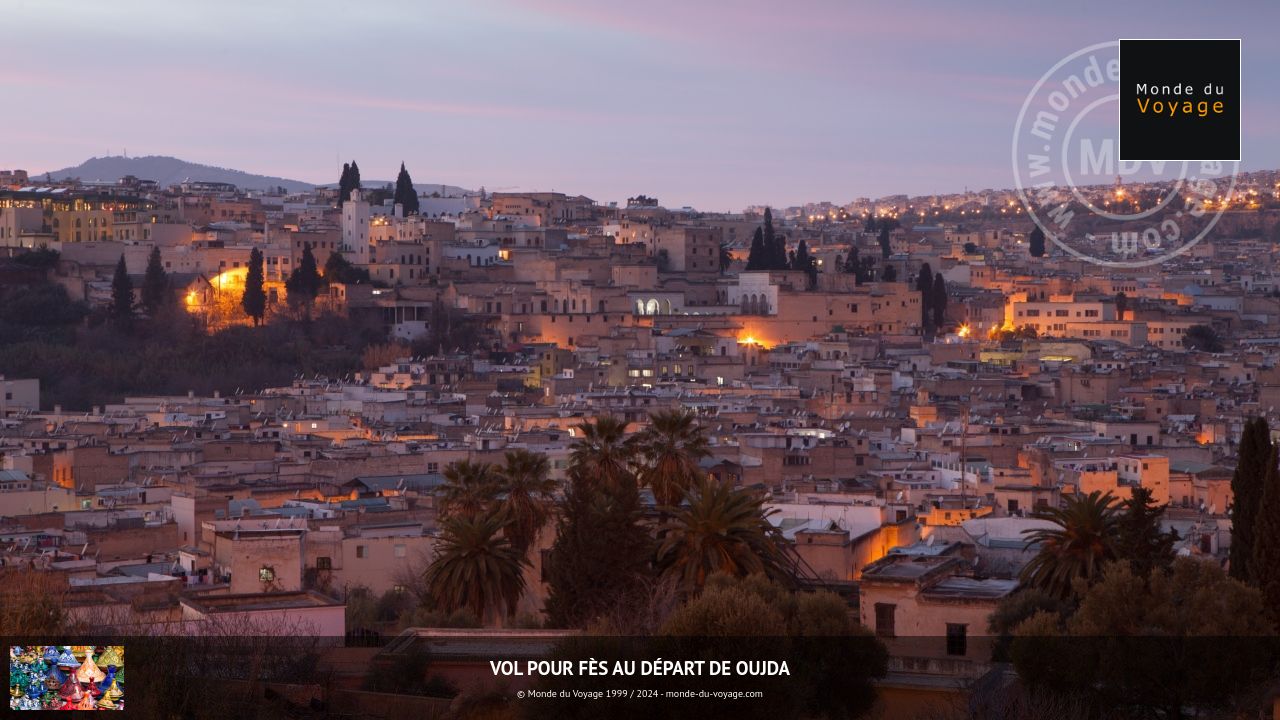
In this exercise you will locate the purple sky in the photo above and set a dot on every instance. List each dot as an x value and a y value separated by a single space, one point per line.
699 102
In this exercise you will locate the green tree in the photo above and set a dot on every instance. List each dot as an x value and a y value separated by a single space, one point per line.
756 258
254 299
155 284
469 488
602 555
1139 538
886 249
671 448
726 258
720 529
526 495
602 455
938 300
349 181
833 661
1035 242
1203 338
970 249
890 273
1188 638
406 196
775 246
337 269
1266 541
924 285
1122 303
476 567
40 257
1017 608
1246 489
304 283
1083 541
121 307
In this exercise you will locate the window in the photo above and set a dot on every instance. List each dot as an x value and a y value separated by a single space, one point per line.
399 551
884 619
360 551
957 639
267 574
324 563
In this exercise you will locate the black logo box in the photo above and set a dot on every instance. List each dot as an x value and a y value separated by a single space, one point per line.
1186 65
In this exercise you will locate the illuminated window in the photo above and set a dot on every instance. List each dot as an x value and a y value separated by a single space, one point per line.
267 574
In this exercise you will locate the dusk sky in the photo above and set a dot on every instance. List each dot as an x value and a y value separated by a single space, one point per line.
712 104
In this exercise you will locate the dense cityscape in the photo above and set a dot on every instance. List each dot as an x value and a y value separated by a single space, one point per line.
399 418
590 360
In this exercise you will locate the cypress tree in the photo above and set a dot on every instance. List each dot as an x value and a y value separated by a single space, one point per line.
344 183
802 258
775 248
781 258
1265 564
1140 540
939 300
121 307
756 259
1246 488
155 284
1036 242
405 195
924 285
304 282
601 555
924 280
851 262
254 300
355 177
889 274
885 249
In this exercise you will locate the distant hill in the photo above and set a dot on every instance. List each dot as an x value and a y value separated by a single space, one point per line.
168 171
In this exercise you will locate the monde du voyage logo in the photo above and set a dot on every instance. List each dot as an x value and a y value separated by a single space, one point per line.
1124 151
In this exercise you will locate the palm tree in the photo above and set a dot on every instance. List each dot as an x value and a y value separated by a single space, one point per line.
476 566
1083 541
602 454
469 488
671 447
526 495
720 529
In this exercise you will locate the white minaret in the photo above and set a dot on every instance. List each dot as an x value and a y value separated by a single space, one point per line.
355 228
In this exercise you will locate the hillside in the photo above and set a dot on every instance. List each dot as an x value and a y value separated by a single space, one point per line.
170 171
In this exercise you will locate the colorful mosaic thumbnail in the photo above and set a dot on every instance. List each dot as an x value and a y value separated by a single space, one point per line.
66 677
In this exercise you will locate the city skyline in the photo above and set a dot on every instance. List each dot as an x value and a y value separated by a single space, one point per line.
703 108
